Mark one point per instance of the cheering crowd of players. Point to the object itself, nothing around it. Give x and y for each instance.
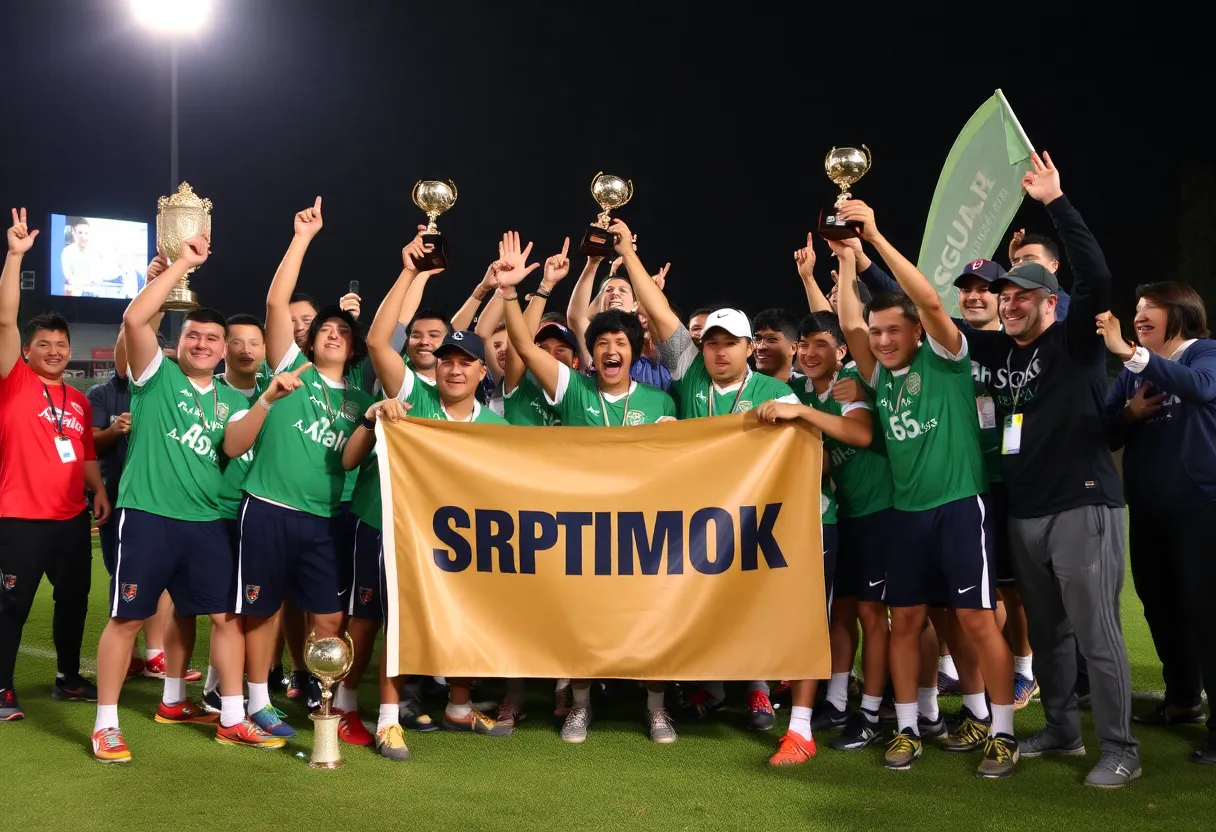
(969, 493)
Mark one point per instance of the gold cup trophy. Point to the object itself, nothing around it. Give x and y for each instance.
(610, 192)
(329, 659)
(435, 198)
(844, 166)
(178, 218)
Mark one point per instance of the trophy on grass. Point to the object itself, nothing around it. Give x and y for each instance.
(610, 192)
(844, 166)
(435, 198)
(178, 218)
(329, 659)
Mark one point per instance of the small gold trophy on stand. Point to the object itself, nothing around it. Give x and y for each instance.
(844, 166)
(435, 198)
(329, 659)
(610, 192)
(178, 218)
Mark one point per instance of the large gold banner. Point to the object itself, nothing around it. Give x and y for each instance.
(676, 551)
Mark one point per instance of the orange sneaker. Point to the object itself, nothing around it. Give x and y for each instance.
(792, 750)
(352, 730)
(154, 668)
(246, 732)
(110, 747)
(184, 711)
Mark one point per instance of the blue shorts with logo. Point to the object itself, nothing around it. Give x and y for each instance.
(283, 550)
(193, 560)
(367, 598)
(861, 568)
(944, 557)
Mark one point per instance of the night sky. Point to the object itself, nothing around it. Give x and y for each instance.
(721, 121)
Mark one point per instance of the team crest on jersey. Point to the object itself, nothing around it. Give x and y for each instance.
(635, 417)
(221, 411)
(79, 410)
(351, 411)
(744, 406)
(129, 591)
(365, 594)
(252, 591)
(913, 383)
(10, 581)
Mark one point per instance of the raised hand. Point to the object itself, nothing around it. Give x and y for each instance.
(415, 250)
(195, 250)
(308, 222)
(625, 242)
(1015, 242)
(350, 302)
(284, 383)
(1141, 406)
(773, 411)
(1042, 181)
(156, 267)
(557, 266)
(1109, 329)
(388, 410)
(512, 265)
(20, 238)
(660, 279)
(855, 209)
(804, 259)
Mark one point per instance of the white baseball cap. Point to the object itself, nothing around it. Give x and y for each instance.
(731, 320)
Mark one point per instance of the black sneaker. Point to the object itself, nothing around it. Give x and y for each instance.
(297, 685)
(1205, 753)
(278, 677)
(1165, 715)
(411, 715)
(859, 732)
(73, 690)
(931, 730)
(828, 716)
(211, 701)
(314, 693)
(10, 709)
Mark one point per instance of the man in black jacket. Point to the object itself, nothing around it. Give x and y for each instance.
(1067, 530)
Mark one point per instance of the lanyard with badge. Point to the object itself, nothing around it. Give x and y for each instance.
(63, 445)
(1011, 437)
(624, 413)
(333, 417)
(738, 394)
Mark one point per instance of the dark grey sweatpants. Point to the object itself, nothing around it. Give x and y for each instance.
(1069, 569)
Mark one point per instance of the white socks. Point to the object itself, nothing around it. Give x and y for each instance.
(926, 699)
(561, 683)
(870, 706)
(838, 691)
(1002, 719)
(213, 680)
(905, 717)
(259, 696)
(175, 691)
(582, 696)
(388, 716)
(1024, 666)
(945, 664)
(107, 717)
(346, 699)
(800, 721)
(654, 700)
(458, 711)
(232, 710)
(977, 704)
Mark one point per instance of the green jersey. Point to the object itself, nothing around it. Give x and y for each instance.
(235, 470)
(695, 393)
(927, 411)
(580, 403)
(176, 444)
(426, 404)
(527, 405)
(299, 452)
(862, 475)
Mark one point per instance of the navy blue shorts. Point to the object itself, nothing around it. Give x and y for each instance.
(367, 599)
(831, 547)
(107, 533)
(283, 549)
(191, 559)
(997, 503)
(943, 557)
(861, 569)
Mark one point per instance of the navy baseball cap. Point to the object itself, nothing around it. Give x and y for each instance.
(465, 341)
(553, 329)
(985, 270)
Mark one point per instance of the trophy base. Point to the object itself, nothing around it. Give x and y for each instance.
(326, 752)
(831, 227)
(180, 300)
(438, 258)
(598, 242)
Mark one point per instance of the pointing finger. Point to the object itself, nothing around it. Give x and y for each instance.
(296, 372)
(565, 247)
(316, 207)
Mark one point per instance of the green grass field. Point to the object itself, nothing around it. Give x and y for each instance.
(715, 777)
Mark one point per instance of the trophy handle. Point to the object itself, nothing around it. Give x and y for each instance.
(452, 185)
(828, 155)
(414, 197)
(869, 158)
(629, 196)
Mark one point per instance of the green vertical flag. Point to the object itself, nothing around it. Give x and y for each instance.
(977, 195)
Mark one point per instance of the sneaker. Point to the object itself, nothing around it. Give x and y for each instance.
(699, 706)
(192, 675)
(184, 712)
(478, 723)
(661, 729)
(110, 747)
(75, 690)
(352, 731)
(947, 685)
(1206, 753)
(1165, 715)
(136, 667)
(297, 684)
(248, 733)
(563, 702)
(903, 750)
(1114, 770)
(154, 668)
(1044, 744)
(10, 710)
(931, 730)
(970, 733)
(574, 729)
(211, 701)
(270, 720)
(792, 749)
(858, 733)
(314, 693)
(828, 716)
(413, 718)
(1024, 690)
(390, 743)
(511, 713)
(760, 716)
(1000, 755)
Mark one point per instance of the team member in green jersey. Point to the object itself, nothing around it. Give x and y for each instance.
(926, 404)
(291, 536)
(171, 533)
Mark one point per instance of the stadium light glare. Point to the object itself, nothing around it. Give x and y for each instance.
(172, 15)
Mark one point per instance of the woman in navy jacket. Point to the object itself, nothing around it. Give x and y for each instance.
(1162, 411)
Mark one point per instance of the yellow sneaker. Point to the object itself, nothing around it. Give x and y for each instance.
(390, 743)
